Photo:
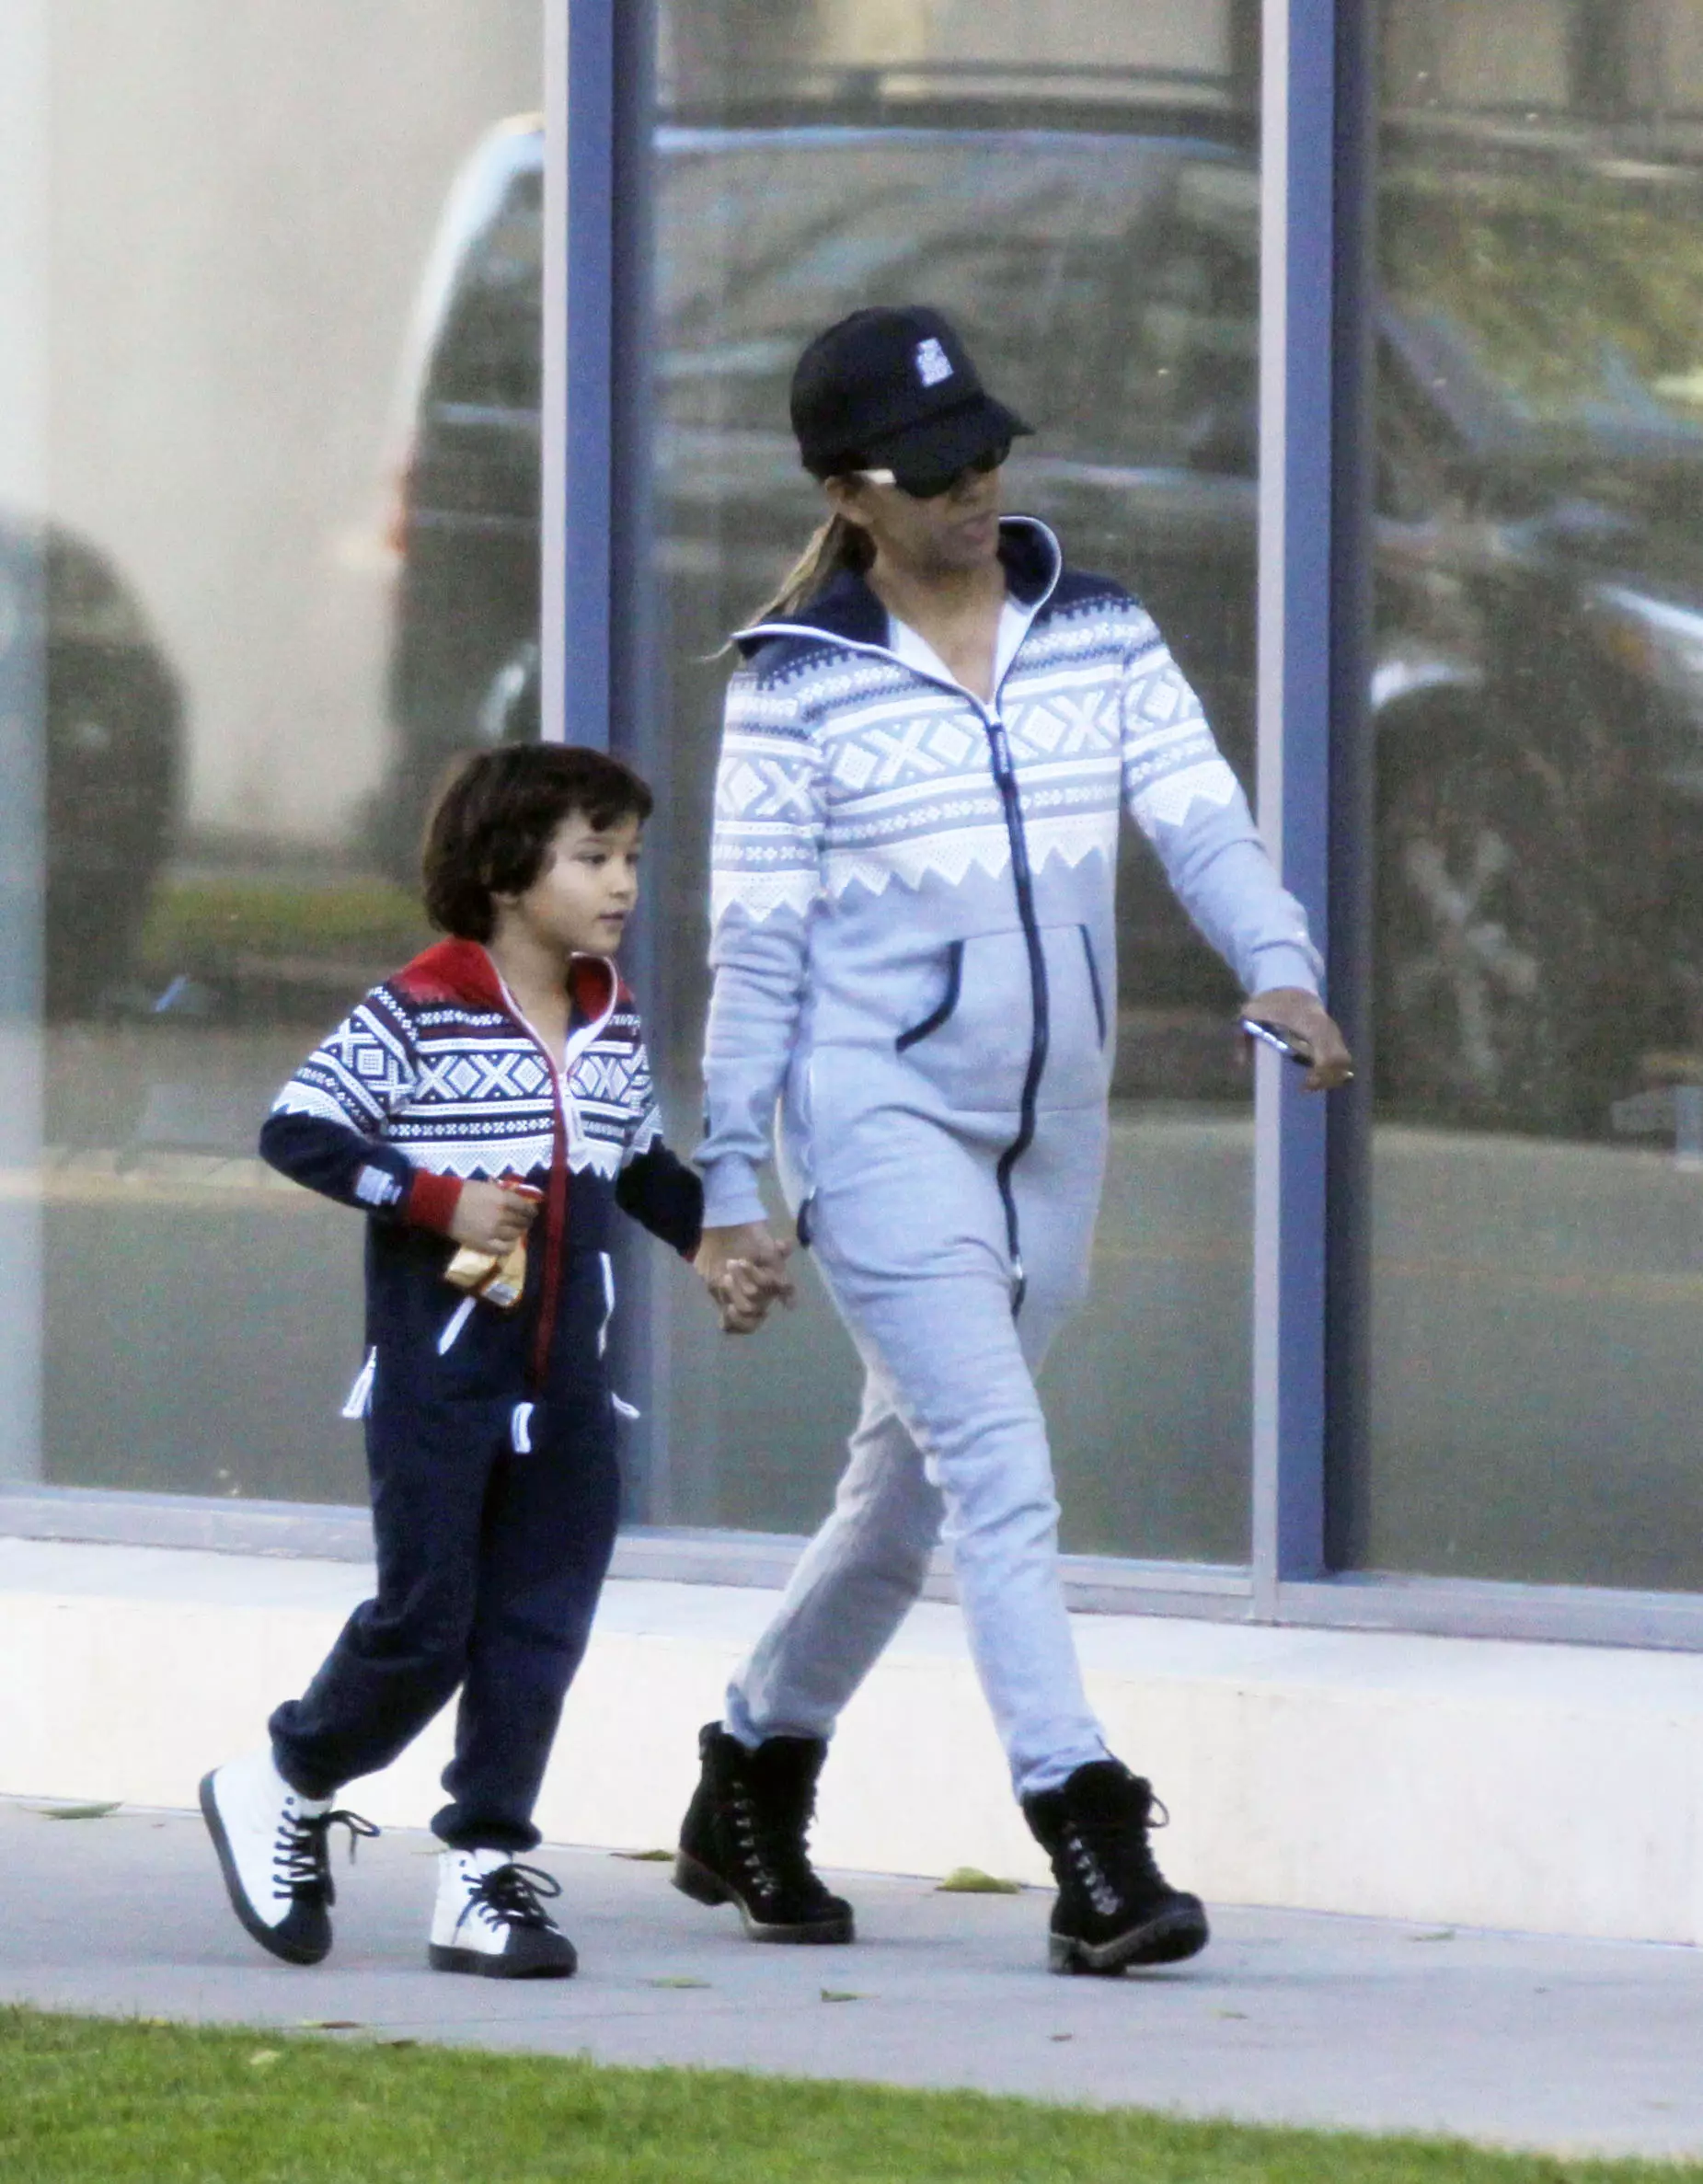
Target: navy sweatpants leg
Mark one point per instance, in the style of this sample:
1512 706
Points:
549 1530
490 1564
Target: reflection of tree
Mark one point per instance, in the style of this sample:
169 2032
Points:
1560 287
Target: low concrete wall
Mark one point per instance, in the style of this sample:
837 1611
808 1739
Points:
1553 1788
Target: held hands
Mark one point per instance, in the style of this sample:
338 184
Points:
1294 1010
493 1217
745 1270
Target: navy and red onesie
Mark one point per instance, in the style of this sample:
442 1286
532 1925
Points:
490 1433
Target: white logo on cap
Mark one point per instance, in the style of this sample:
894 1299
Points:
932 364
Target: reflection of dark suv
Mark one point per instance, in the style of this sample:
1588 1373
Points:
1539 688
114 716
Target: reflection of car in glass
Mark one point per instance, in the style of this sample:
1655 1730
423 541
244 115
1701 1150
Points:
114 718
1538 687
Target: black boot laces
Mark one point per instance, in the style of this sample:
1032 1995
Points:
771 1848
302 1854
1112 1857
509 1896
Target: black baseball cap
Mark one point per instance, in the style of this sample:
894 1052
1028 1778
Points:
894 389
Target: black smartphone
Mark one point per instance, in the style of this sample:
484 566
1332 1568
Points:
1275 1036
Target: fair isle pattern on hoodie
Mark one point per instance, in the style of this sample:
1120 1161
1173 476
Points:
841 769
458 1085
914 887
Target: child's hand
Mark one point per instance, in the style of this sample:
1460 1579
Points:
742 1297
745 1270
493 1217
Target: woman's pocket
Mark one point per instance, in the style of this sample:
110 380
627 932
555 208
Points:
973 1040
1078 1020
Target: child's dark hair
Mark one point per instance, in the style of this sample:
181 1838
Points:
495 815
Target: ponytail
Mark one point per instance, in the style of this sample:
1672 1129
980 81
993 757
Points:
835 545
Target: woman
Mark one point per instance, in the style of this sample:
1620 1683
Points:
926 754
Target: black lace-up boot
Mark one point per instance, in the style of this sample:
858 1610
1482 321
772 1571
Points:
1114 1908
743 1839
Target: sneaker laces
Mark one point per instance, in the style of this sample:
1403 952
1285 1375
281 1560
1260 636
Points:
509 1896
302 1853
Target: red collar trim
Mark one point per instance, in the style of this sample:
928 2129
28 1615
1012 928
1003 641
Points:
461 972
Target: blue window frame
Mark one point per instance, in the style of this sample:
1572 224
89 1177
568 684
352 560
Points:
1315 769
1312 1257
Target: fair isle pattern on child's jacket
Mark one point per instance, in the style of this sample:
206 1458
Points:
436 1080
438 1063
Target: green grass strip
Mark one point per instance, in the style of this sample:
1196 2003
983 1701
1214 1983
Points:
144 2103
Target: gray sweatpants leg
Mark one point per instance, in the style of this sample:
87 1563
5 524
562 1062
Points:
912 1249
852 1588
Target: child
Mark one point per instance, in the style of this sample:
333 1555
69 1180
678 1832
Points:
494 1093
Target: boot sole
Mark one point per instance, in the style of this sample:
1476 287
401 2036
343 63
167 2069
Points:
705 1887
1167 1939
483 1967
269 1938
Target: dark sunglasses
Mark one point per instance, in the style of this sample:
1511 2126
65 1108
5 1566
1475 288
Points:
929 485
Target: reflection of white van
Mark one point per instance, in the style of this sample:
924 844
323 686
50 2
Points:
1539 574
466 460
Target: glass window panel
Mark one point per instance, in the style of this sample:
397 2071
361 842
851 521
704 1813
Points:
1097 238
1538 696
275 604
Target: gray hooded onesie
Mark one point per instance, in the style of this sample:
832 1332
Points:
914 954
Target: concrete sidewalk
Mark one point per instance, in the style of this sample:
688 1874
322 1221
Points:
1289 2018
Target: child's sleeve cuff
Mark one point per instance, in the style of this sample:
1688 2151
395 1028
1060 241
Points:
432 1201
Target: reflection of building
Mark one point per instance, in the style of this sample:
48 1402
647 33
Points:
992 42
1601 57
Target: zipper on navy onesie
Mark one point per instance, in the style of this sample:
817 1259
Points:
558 1192
555 1236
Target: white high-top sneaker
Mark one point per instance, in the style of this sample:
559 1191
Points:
273 1851
489 1919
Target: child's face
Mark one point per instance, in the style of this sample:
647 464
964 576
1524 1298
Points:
585 890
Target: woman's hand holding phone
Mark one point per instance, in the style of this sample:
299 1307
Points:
1295 1023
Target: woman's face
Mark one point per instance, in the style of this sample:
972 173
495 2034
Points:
956 531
